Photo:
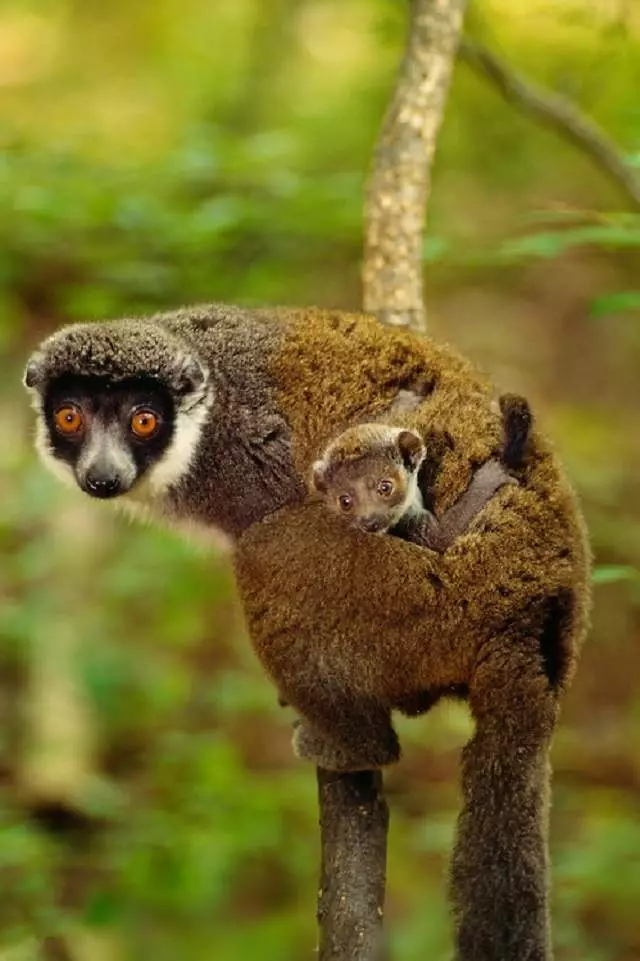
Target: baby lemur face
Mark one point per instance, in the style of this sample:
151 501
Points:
106 435
369 474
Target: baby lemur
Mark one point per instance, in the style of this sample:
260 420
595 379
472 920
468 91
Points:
369 474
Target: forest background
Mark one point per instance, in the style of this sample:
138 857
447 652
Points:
194 150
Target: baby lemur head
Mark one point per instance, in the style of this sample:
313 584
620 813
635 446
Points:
369 475
117 402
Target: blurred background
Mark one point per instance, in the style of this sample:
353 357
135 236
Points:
154 154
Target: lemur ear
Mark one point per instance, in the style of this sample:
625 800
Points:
192 375
33 371
318 477
412 449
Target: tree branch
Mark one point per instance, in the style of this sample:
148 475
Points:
354 818
353 812
398 189
557 113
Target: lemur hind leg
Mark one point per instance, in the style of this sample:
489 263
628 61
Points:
355 735
310 745
499 875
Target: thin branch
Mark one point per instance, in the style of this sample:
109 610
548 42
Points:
354 818
557 113
398 189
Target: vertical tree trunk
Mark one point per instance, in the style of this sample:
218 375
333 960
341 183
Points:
353 831
398 189
353 812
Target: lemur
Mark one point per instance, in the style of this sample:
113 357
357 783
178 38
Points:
213 415
369 475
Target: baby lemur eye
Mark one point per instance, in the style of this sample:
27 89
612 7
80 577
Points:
346 502
68 419
385 488
144 423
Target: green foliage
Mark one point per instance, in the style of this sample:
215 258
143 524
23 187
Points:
613 574
615 303
616 233
96 241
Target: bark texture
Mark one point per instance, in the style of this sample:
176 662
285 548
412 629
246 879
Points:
353 830
400 180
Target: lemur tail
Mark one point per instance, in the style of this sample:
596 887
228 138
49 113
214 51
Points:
517 421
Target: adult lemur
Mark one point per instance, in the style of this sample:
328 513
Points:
224 411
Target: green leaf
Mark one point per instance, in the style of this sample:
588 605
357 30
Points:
615 303
547 244
435 249
102 909
537 245
612 574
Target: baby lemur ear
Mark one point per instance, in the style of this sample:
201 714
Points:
318 480
412 449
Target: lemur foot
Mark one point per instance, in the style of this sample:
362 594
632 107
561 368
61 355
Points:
492 476
311 746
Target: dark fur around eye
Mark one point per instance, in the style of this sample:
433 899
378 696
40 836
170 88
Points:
110 404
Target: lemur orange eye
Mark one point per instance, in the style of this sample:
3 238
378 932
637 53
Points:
144 423
345 502
385 488
68 419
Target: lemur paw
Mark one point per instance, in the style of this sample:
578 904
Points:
311 746
493 475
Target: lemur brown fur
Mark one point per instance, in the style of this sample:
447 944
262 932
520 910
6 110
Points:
500 616
350 626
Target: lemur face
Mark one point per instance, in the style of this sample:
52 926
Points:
372 494
117 403
105 435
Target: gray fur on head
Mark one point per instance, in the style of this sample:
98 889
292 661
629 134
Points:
123 348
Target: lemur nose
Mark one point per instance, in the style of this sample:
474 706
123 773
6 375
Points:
99 486
372 525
